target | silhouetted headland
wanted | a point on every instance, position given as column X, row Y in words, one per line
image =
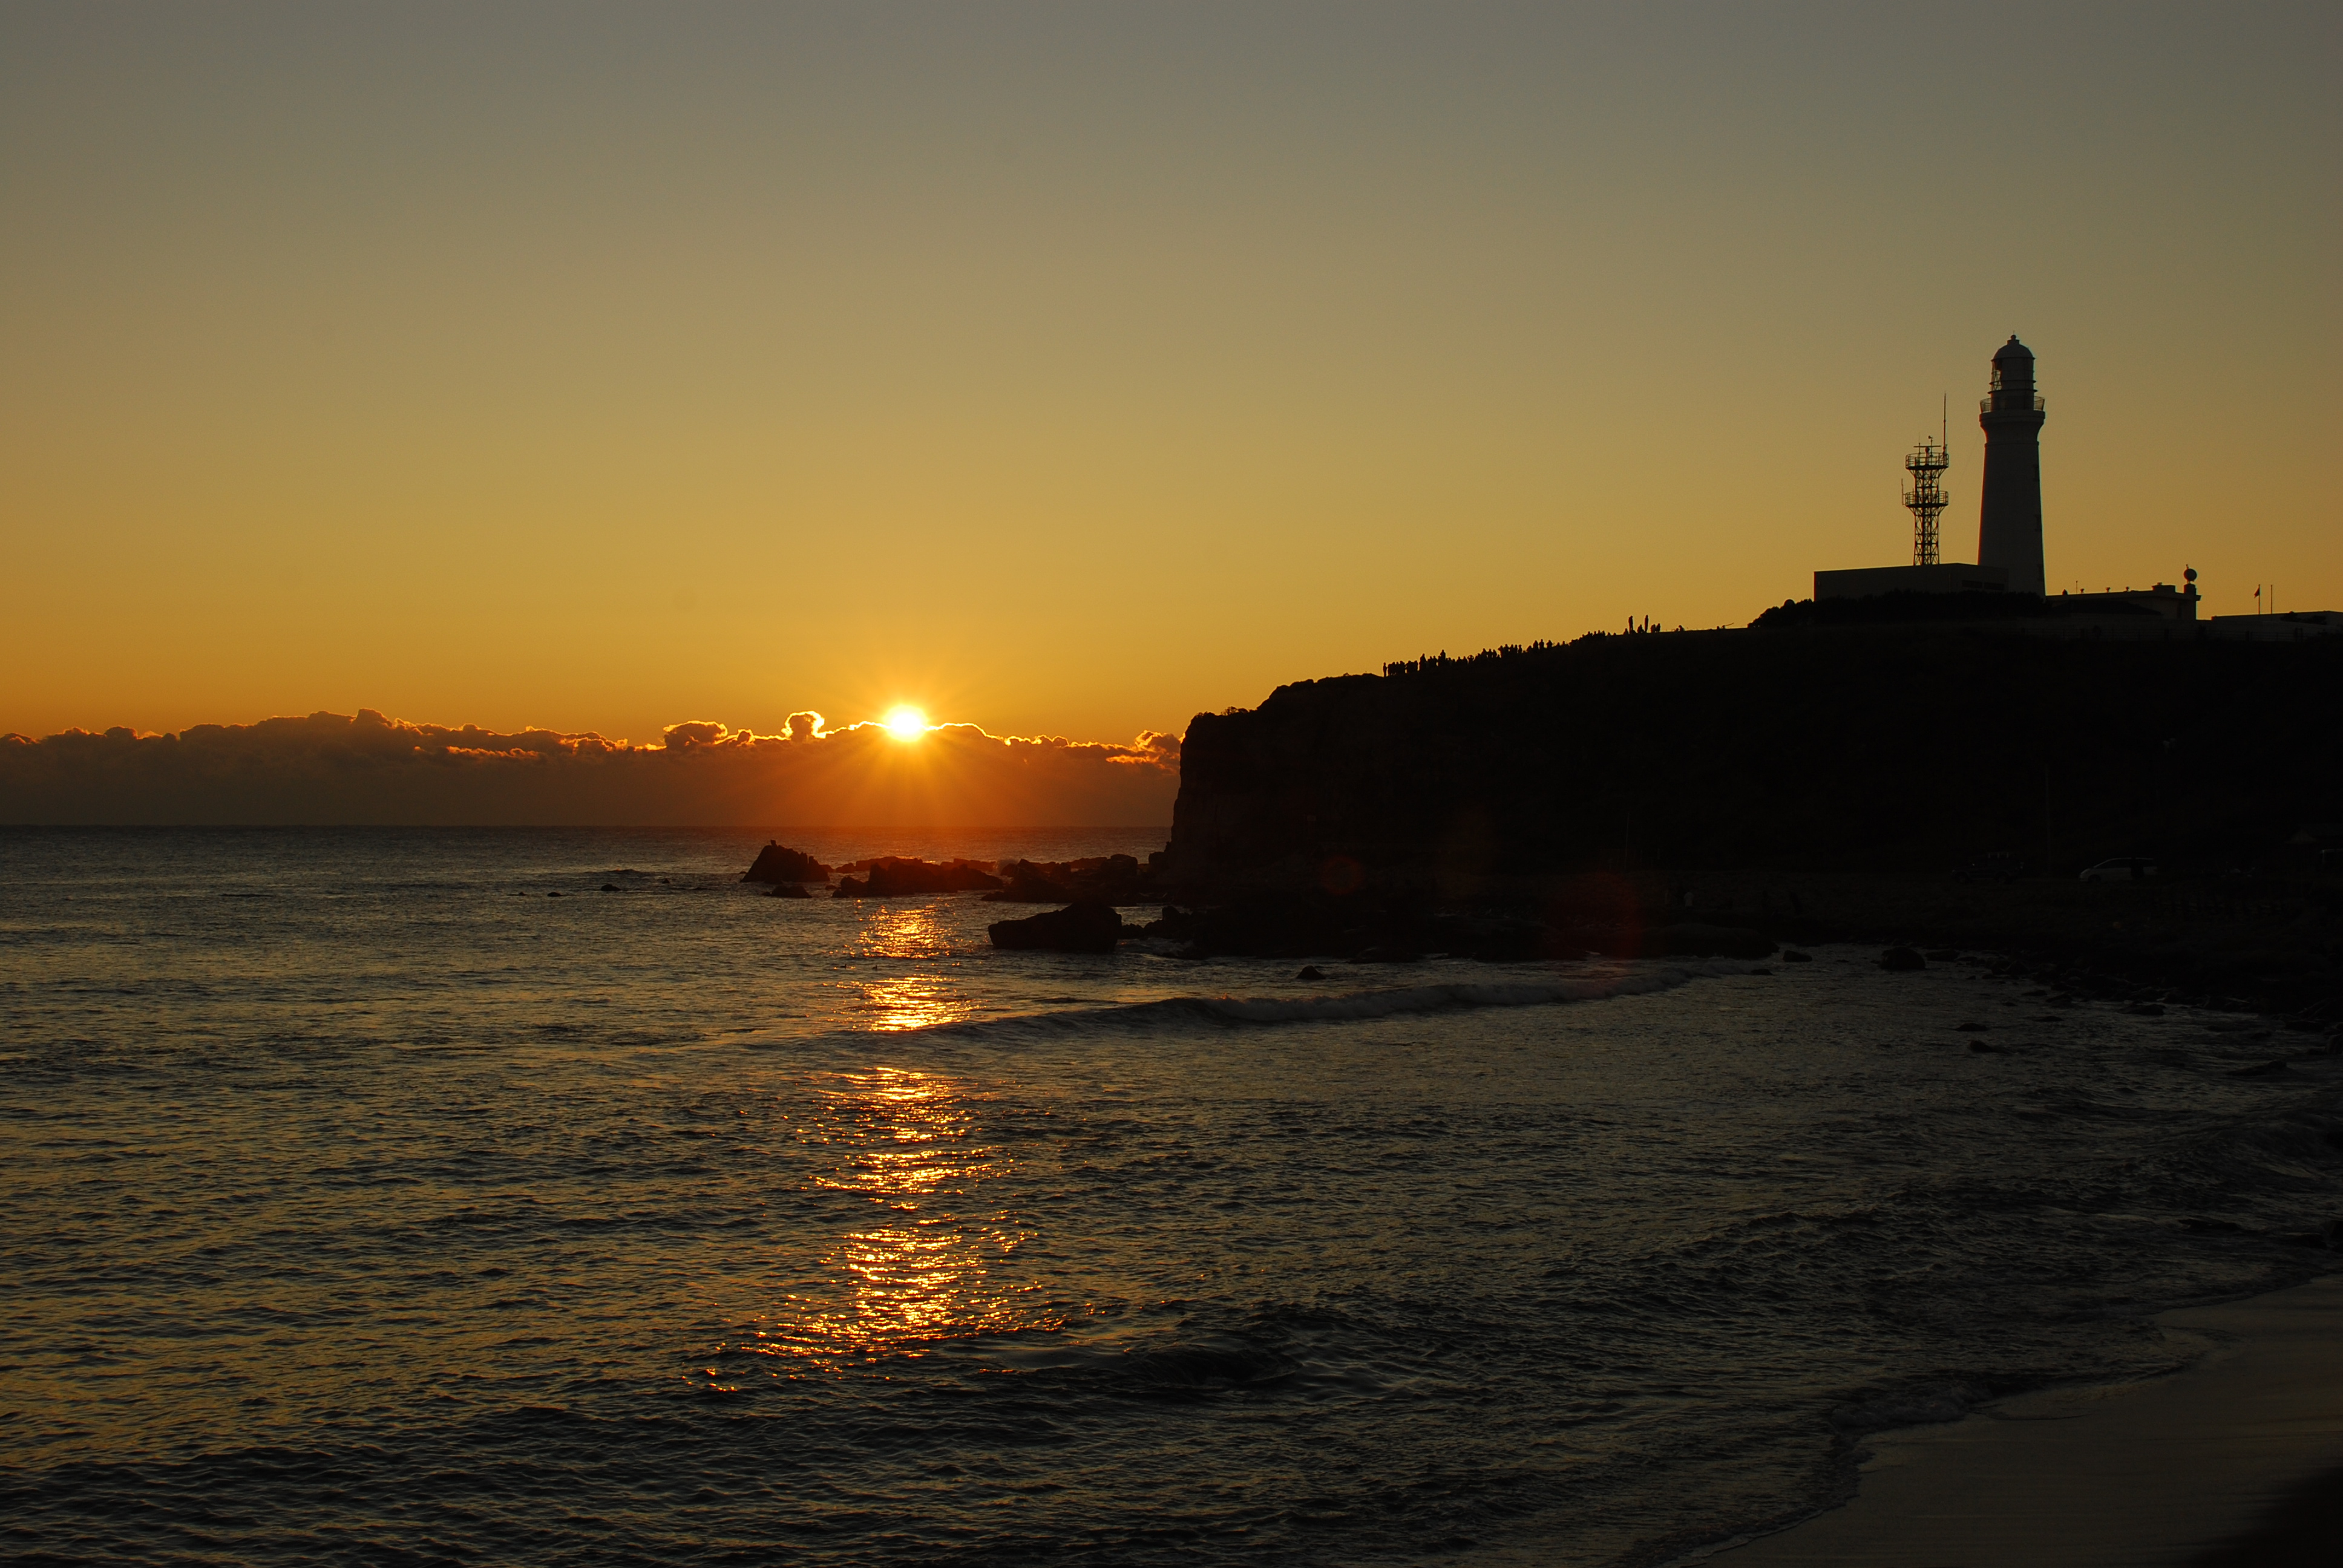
column 1840, row 772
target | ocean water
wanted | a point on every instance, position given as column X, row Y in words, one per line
column 364, row 1203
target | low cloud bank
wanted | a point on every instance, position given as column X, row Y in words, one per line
column 333, row 769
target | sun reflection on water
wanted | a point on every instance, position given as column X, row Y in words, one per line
column 907, row 1134
column 913, row 1002
column 933, row 1262
column 909, row 1000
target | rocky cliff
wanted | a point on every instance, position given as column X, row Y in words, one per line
column 1856, row 749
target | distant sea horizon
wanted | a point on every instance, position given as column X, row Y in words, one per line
column 838, row 829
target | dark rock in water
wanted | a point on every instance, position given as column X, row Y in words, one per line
column 1309, row 926
column 1626, row 940
column 894, row 877
column 2261, row 1069
column 1902, row 958
column 1312, row 972
column 1108, row 879
column 1088, row 927
column 1391, row 928
column 1692, row 940
column 1944, row 955
column 610, row 887
column 1174, row 924
column 1029, row 884
column 1792, row 955
column 1497, row 939
column 789, row 890
column 553, row 895
column 778, row 863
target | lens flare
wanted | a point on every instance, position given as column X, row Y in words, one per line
column 906, row 723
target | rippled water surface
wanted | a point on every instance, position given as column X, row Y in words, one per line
column 365, row 1203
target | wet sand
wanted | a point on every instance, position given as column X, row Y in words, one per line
column 2239, row 1460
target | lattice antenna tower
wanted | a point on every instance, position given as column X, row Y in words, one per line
column 1926, row 496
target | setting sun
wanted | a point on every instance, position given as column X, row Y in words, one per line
column 906, row 723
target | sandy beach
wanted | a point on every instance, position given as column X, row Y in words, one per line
column 2236, row 1460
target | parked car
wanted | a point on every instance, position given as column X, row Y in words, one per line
column 2122, row 868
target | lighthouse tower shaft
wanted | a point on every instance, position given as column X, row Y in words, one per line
column 2009, row 519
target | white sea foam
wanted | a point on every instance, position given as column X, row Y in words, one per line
column 1625, row 979
column 1581, row 983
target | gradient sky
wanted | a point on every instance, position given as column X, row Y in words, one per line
column 1073, row 368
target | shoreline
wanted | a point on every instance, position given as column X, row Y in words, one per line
column 2236, row 1459
column 2263, row 944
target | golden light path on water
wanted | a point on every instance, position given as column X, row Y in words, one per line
column 929, row 1264
column 909, row 999
column 934, row 1259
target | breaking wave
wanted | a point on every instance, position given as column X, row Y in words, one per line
column 1593, row 984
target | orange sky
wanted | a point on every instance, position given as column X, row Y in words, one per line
column 1072, row 369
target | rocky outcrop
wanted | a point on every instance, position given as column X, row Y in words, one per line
column 1110, row 878
column 1088, row 927
column 1032, row 884
column 778, row 863
column 896, row 877
column 1690, row 940
column 1373, row 928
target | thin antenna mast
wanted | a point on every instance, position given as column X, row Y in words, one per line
column 1926, row 494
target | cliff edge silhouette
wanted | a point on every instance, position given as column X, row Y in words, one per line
column 1897, row 782
column 1901, row 748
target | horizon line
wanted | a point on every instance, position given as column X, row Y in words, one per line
column 588, row 826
